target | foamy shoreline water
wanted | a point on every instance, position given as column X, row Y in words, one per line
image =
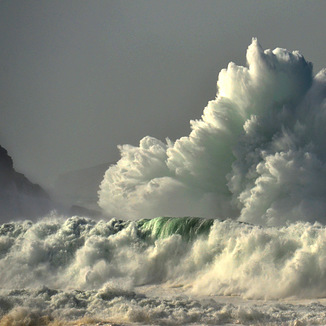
column 164, row 271
column 165, row 305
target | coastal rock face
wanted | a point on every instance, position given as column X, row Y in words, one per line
column 19, row 197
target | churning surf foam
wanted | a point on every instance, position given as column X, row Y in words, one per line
column 208, row 256
column 257, row 154
column 162, row 271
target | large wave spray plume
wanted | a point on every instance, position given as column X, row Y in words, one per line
column 257, row 154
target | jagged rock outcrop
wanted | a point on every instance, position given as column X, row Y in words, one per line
column 19, row 197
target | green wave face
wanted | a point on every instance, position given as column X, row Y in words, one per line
column 162, row 227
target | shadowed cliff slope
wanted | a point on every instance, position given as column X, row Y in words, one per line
column 19, row 197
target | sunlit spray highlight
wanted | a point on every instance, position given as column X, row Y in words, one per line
column 257, row 154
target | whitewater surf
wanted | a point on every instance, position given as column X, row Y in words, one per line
column 251, row 176
column 166, row 271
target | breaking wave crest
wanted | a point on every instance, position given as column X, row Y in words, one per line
column 187, row 227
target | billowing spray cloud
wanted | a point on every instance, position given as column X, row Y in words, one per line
column 258, row 152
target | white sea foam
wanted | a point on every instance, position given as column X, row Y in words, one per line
column 257, row 154
column 59, row 269
column 233, row 259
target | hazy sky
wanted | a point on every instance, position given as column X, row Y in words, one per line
column 80, row 77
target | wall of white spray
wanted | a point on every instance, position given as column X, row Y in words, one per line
column 257, row 154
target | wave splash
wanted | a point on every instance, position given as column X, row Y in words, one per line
column 56, row 271
column 257, row 154
column 208, row 256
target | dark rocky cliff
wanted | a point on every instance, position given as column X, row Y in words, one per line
column 19, row 197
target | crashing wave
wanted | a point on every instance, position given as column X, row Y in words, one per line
column 257, row 154
column 210, row 256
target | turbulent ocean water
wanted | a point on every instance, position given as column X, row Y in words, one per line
column 163, row 271
column 251, row 176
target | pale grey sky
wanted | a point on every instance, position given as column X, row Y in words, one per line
column 80, row 77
